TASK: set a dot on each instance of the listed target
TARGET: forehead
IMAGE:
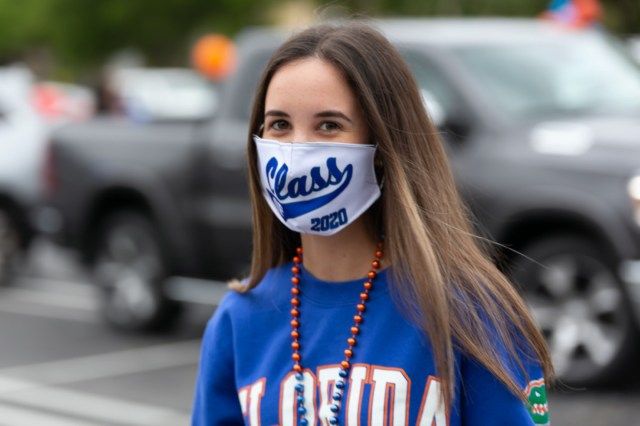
(311, 82)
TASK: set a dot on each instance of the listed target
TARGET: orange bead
(295, 356)
(295, 270)
(368, 285)
(360, 307)
(299, 250)
(295, 334)
(372, 274)
(355, 330)
(295, 312)
(295, 301)
(297, 368)
(296, 259)
(295, 280)
(379, 245)
(357, 319)
(345, 364)
(351, 341)
(295, 291)
(379, 254)
(364, 296)
(295, 345)
(375, 264)
(295, 323)
(348, 353)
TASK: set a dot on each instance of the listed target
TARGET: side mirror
(454, 126)
(633, 43)
(435, 110)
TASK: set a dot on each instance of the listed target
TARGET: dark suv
(542, 126)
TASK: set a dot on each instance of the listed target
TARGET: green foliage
(81, 34)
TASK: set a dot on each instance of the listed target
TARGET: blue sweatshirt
(245, 372)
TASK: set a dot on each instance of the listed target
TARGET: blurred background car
(541, 125)
(155, 94)
(22, 141)
(28, 112)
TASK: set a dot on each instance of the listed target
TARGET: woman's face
(310, 100)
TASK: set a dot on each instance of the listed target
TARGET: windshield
(573, 74)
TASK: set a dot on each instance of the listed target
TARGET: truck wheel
(10, 248)
(579, 304)
(130, 270)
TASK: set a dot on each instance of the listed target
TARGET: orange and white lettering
(255, 397)
(357, 379)
(432, 411)
(243, 396)
(327, 376)
(391, 390)
(288, 405)
(250, 398)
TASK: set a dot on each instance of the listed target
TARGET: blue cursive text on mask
(279, 190)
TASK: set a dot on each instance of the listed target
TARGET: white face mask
(317, 187)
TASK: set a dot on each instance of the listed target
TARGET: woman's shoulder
(270, 291)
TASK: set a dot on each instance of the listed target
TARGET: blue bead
(299, 377)
(300, 387)
(333, 420)
(300, 399)
(302, 410)
(343, 373)
(340, 384)
(304, 422)
(334, 408)
(337, 396)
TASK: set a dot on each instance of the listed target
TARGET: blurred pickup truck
(542, 126)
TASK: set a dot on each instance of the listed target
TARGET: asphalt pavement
(61, 366)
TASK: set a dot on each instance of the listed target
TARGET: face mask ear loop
(381, 184)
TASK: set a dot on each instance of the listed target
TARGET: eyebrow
(323, 114)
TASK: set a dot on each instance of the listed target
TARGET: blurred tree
(81, 34)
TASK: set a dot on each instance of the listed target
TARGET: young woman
(369, 300)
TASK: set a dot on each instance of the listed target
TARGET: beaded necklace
(345, 365)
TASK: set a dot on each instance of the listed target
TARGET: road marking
(112, 364)
(57, 285)
(195, 290)
(82, 404)
(16, 307)
(60, 300)
(14, 416)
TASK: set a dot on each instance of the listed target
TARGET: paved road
(60, 366)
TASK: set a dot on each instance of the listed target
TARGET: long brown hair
(442, 276)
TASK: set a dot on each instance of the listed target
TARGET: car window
(248, 82)
(576, 74)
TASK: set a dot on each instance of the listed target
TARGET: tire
(580, 306)
(130, 269)
(11, 253)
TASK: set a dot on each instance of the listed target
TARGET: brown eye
(279, 125)
(329, 126)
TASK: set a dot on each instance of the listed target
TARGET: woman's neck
(344, 256)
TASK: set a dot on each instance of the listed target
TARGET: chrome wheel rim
(578, 305)
(128, 269)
